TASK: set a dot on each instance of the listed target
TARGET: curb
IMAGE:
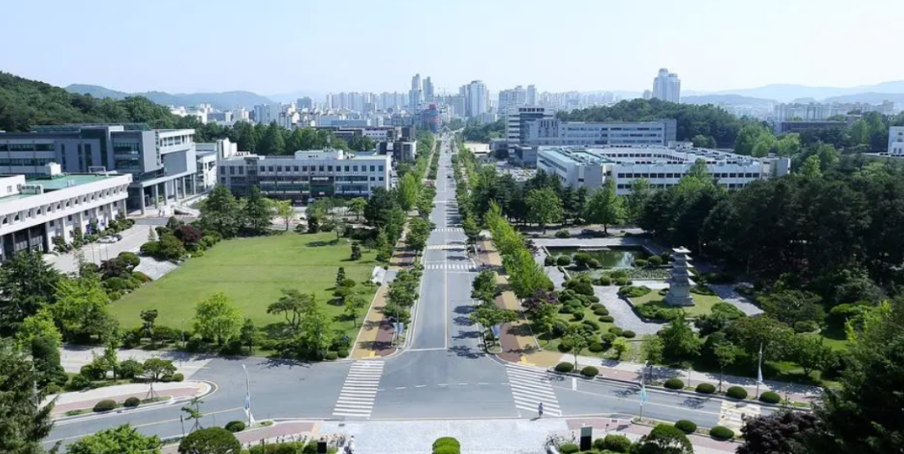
(122, 410)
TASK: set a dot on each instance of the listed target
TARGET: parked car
(109, 239)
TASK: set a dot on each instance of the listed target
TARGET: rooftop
(59, 182)
(642, 154)
(75, 127)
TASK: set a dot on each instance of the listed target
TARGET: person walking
(540, 410)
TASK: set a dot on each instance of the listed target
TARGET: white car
(108, 239)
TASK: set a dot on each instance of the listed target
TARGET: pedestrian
(540, 410)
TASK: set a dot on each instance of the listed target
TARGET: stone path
(625, 317)
(73, 358)
(728, 293)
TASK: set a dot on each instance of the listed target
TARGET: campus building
(307, 174)
(35, 210)
(554, 132)
(162, 162)
(518, 119)
(662, 166)
(896, 140)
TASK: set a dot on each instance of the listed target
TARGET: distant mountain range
(223, 101)
(891, 91)
(727, 99)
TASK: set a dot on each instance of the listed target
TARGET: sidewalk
(73, 357)
(375, 337)
(87, 399)
(702, 444)
(279, 432)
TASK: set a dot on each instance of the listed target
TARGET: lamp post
(248, 396)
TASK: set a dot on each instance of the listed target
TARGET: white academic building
(307, 174)
(662, 166)
(34, 211)
(896, 141)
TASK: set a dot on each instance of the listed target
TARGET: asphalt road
(442, 373)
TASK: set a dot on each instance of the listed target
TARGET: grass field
(703, 304)
(252, 271)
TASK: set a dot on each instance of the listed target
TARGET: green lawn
(553, 344)
(252, 271)
(703, 304)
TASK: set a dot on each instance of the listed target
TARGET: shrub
(446, 441)
(654, 260)
(721, 433)
(686, 426)
(621, 282)
(235, 426)
(736, 392)
(701, 289)
(569, 448)
(640, 263)
(718, 278)
(105, 405)
(578, 315)
(595, 347)
(210, 440)
(591, 324)
(628, 334)
(590, 371)
(177, 377)
(607, 319)
(564, 367)
(705, 388)
(78, 383)
(605, 280)
(132, 402)
(580, 287)
(654, 312)
(92, 372)
(615, 330)
(616, 443)
(601, 311)
(563, 234)
(564, 347)
(730, 312)
(770, 397)
(332, 356)
(549, 261)
(594, 299)
(674, 383)
(805, 326)
(608, 339)
(634, 292)
(447, 450)
(342, 352)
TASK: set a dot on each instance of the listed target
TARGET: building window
(296, 168)
(346, 168)
(69, 218)
(320, 168)
(279, 168)
(304, 168)
(355, 168)
(329, 168)
(241, 170)
(373, 168)
(232, 170)
(381, 168)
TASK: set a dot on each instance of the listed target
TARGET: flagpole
(248, 397)
(759, 372)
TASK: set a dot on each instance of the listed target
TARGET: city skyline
(611, 58)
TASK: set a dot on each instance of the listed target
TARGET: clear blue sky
(368, 45)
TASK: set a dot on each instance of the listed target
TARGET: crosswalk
(449, 229)
(530, 387)
(360, 389)
(734, 413)
(452, 266)
(446, 247)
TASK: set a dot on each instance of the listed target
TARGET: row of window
(26, 162)
(679, 175)
(178, 140)
(241, 170)
(68, 203)
(665, 186)
(26, 147)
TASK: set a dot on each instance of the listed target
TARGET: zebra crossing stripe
(530, 387)
(359, 390)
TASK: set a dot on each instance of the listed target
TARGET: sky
(271, 47)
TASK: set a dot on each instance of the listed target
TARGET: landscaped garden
(252, 272)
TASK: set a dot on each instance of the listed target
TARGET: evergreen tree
(220, 212)
(257, 212)
(23, 422)
(272, 143)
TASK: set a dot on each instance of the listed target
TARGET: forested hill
(25, 103)
(693, 120)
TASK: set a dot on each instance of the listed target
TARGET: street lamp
(248, 397)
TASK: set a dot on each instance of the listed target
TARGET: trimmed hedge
(177, 377)
(235, 426)
(131, 402)
(721, 433)
(736, 392)
(105, 405)
(628, 334)
(596, 347)
(604, 280)
(446, 441)
(614, 443)
(590, 371)
(332, 356)
(607, 319)
(569, 448)
(564, 347)
(564, 367)
(615, 330)
(600, 310)
(674, 383)
(705, 388)
(770, 397)
(686, 426)
(578, 316)
(591, 324)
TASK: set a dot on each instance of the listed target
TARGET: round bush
(177, 377)
(615, 330)
(628, 334)
(608, 339)
(342, 352)
(605, 280)
(736, 392)
(721, 433)
(210, 440)
(640, 263)
(590, 371)
(549, 261)
(564, 347)
(569, 448)
(600, 311)
(596, 347)
(563, 260)
(105, 405)
(616, 443)
(674, 383)
(686, 426)
(594, 299)
(805, 326)
(654, 260)
(596, 306)
(591, 324)
(705, 388)
(131, 402)
(564, 367)
(78, 383)
(235, 426)
(446, 441)
(332, 356)
(770, 397)
(621, 282)
(578, 315)
(566, 309)
(445, 449)
(607, 319)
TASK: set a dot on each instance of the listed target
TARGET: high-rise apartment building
(428, 90)
(477, 98)
(531, 95)
(305, 103)
(667, 86)
(512, 97)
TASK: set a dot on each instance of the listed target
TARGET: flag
(643, 393)
(759, 367)
(247, 403)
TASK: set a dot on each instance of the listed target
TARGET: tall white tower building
(477, 98)
(667, 86)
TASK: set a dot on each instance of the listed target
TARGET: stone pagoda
(680, 282)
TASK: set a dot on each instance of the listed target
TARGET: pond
(609, 257)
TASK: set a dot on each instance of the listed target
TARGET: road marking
(732, 414)
(166, 421)
(359, 390)
(420, 386)
(432, 349)
(530, 388)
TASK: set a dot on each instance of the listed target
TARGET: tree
(488, 314)
(213, 440)
(808, 351)
(285, 210)
(604, 206)
(272, 142)
(620, 345)
(110, 358)
(340, 276)
(384, 247)
(859, 133)
(379, 204)
(679, 339)
(811, 167)
(81, 308)
(156, 368)
(256, 213)
(544, 207)
(726, 353)
(651, 349)
(23, 421)
(577, 338)
(45, 354)
(220, 212)
(149, 318)
(641, 190)
(120, 440)
(472, 230)
(702, 141)
(247, 334)
(484, 286)
(663, 439)
(409, 186)
(38, 325)
(356, 251)
(216, 318)
(353, 305)
(782, 432)
(27, 284)
(356, 206)
(316, 335)
(193, 413)
(418, 233)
